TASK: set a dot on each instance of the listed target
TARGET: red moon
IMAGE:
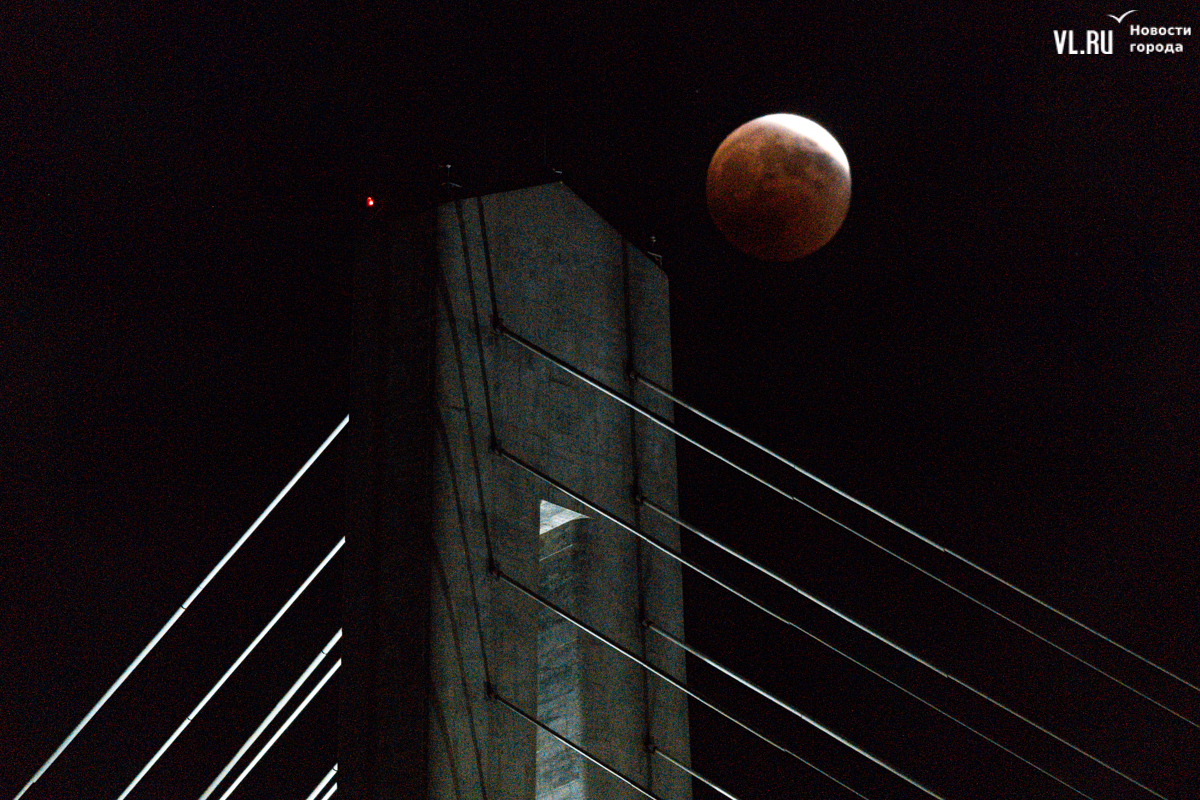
(779, 187)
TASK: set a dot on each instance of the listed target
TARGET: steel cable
(844, 617)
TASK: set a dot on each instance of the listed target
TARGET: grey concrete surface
(568, 281)
(428, 627)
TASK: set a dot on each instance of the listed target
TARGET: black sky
(999, 349)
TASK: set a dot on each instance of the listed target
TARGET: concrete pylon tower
(478, 531)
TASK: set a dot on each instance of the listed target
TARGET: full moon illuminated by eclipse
(779, 187)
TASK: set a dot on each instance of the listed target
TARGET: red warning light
(370, 202)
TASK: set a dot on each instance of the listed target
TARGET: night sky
(998, 349)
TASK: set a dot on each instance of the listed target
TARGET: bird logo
(1123, 16)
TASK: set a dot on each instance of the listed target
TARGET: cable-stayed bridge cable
(462, 530)
(283, 729)
(179, 611)
(232, 668)
(655, 750)
(283, 701)
(444, 585)
(865, 629)
(807, 719)
(625, 779)
(323, 783)
(788, 707)
(791, 623)
(456, 490)
(711, 540)
(640, 555)
(444, 292)
(669, 395)
(663, 675)
(709, 576)
(487, 259)
(475, 323)
(859, 663)
(451, 757)
(670, 427)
